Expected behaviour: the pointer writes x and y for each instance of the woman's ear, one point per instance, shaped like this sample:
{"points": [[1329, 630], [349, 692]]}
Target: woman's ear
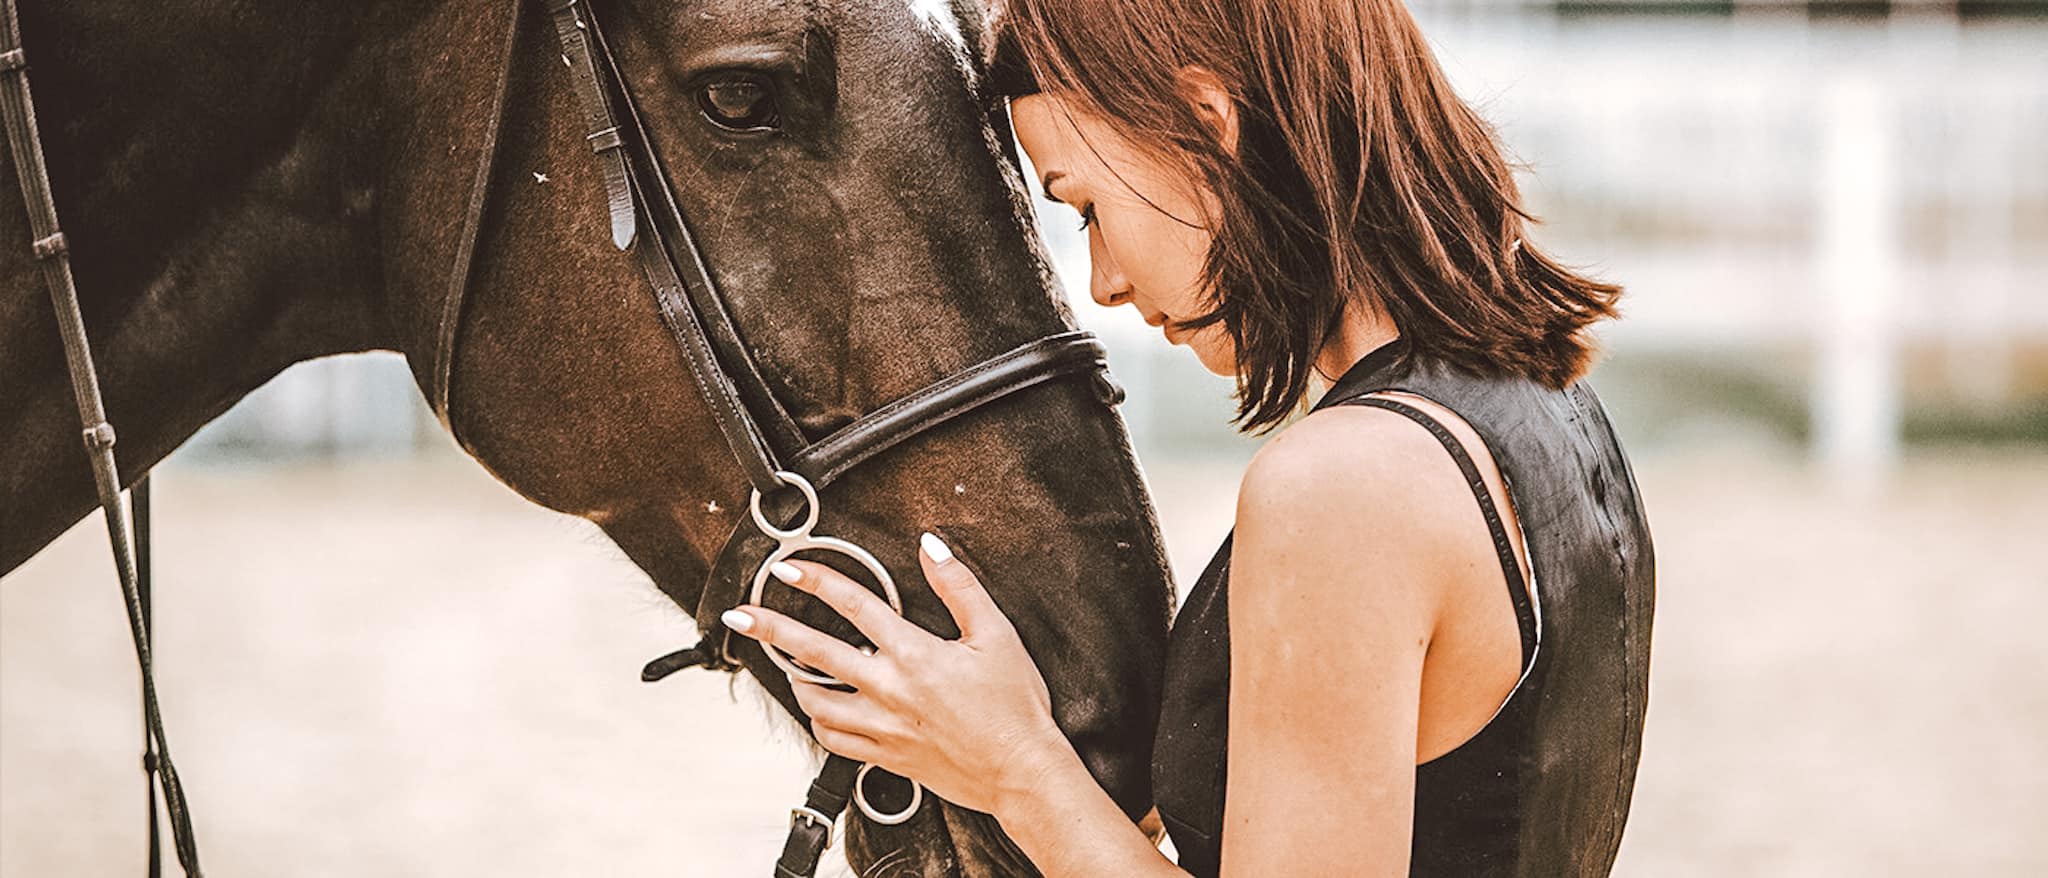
{"points": [[1211, 100]]}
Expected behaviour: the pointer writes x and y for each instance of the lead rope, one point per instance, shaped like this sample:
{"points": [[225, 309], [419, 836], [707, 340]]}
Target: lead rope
{"points": [[52, 256]]}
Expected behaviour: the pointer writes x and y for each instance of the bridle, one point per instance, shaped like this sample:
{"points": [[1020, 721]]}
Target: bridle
{"points": [[775, 455], [784, 468]]}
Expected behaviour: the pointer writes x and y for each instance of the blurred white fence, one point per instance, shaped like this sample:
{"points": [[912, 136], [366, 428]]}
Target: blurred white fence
{"points": [[1854, 190]]}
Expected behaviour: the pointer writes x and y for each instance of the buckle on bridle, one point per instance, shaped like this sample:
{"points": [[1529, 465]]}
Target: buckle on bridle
{"points": [[808, 814]]}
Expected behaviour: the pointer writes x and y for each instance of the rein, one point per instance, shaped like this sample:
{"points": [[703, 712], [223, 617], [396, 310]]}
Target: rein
{"points": [[131, 548]]}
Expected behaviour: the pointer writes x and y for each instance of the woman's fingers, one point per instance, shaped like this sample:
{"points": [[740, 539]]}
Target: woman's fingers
{"points": [[806, 644], [973, 610], [843, 722], [869, 613], [847, 711], [856, 747]]}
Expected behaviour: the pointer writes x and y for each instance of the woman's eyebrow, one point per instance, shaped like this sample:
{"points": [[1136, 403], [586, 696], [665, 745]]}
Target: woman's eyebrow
{"points": [[1045, 186]]}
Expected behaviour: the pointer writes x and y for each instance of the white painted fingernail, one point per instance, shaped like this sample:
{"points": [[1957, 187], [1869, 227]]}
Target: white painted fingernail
{"points": [[785, 571], [934, 549], [736, 620]]}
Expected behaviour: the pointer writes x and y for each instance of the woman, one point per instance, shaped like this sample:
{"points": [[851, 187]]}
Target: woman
{"points": [[1424, 648]]}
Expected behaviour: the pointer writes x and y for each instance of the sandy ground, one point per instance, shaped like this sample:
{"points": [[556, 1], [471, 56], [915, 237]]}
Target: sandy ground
{"points": [[401, 669]]}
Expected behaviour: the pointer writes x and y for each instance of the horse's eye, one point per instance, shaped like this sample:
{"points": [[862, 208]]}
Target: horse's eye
{"points": [[740, 103]]}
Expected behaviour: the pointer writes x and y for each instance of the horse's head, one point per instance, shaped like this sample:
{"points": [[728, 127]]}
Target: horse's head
{"points": [[848, 185]]}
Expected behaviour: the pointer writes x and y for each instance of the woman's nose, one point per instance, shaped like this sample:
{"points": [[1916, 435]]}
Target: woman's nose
{"points": [[1106, 282]]}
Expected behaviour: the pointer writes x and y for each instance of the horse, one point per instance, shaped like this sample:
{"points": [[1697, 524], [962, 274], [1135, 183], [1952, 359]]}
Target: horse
{"points": [[245, 187]]}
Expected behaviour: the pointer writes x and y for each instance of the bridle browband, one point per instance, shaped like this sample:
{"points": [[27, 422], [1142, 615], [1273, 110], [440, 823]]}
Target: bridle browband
{"points": [[781, 465]]}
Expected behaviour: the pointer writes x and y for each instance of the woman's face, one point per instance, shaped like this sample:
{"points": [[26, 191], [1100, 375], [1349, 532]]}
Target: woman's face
{"points": [[1146, 241]]}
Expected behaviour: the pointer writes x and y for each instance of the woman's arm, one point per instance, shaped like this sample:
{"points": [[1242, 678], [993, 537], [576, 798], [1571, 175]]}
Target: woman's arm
{"points": [[1345, 523], [1349, 525], [1069, 828]]}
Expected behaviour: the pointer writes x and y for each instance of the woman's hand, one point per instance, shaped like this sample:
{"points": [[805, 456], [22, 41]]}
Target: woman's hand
{"points": [[970, 719]]}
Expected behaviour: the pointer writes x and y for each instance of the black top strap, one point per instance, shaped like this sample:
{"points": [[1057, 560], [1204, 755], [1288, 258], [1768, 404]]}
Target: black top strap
{"points": [[1510, 566]]}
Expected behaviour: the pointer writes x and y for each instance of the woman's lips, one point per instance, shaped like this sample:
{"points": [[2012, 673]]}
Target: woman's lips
{"points": [[1162, 321]]}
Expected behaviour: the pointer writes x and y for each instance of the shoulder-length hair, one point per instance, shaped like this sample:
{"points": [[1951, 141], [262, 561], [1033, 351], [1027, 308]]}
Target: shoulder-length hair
{"points": [[1359, 177]]}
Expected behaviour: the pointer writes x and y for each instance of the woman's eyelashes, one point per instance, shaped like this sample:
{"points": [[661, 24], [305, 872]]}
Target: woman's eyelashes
{"points": [[1087, 212]]}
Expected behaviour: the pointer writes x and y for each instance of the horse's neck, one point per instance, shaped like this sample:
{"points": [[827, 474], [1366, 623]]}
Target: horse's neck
{"points": [[200, 278]]}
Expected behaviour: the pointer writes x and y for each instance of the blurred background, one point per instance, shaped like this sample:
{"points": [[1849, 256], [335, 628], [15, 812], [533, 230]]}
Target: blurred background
{"points": [[1832, 377]]}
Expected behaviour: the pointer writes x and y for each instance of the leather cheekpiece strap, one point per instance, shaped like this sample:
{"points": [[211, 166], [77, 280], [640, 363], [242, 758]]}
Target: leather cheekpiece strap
{"points": [[716, 387], [688, 299], [826, 799]]}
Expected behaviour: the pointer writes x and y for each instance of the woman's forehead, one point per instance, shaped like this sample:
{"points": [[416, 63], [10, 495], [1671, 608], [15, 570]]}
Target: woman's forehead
{"points": [[1045, 124]]}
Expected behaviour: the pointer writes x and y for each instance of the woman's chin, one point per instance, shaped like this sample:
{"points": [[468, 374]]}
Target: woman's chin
{"points": [[1209, 347], [1214, 358]]}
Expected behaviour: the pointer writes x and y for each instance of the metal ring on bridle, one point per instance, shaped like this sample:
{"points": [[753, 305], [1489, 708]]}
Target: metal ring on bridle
{"points": [[860, 798], [799, 539], [810, 502]]}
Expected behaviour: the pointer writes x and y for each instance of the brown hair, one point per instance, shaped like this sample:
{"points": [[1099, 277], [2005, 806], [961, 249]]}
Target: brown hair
{"points": [[1358, 173]]}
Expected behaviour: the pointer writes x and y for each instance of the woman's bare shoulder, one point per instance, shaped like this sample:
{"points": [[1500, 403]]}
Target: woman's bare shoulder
{"points": [[1352, 474]]}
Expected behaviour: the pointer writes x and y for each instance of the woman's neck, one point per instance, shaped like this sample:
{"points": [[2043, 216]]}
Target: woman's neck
{"points": [[1359, 334]]}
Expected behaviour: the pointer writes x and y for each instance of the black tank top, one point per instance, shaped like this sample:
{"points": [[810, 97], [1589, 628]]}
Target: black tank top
{"points": [[1543, 789]]}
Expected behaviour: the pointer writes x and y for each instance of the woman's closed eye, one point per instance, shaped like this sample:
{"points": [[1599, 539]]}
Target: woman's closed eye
{"points": [[1087, 211]]}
